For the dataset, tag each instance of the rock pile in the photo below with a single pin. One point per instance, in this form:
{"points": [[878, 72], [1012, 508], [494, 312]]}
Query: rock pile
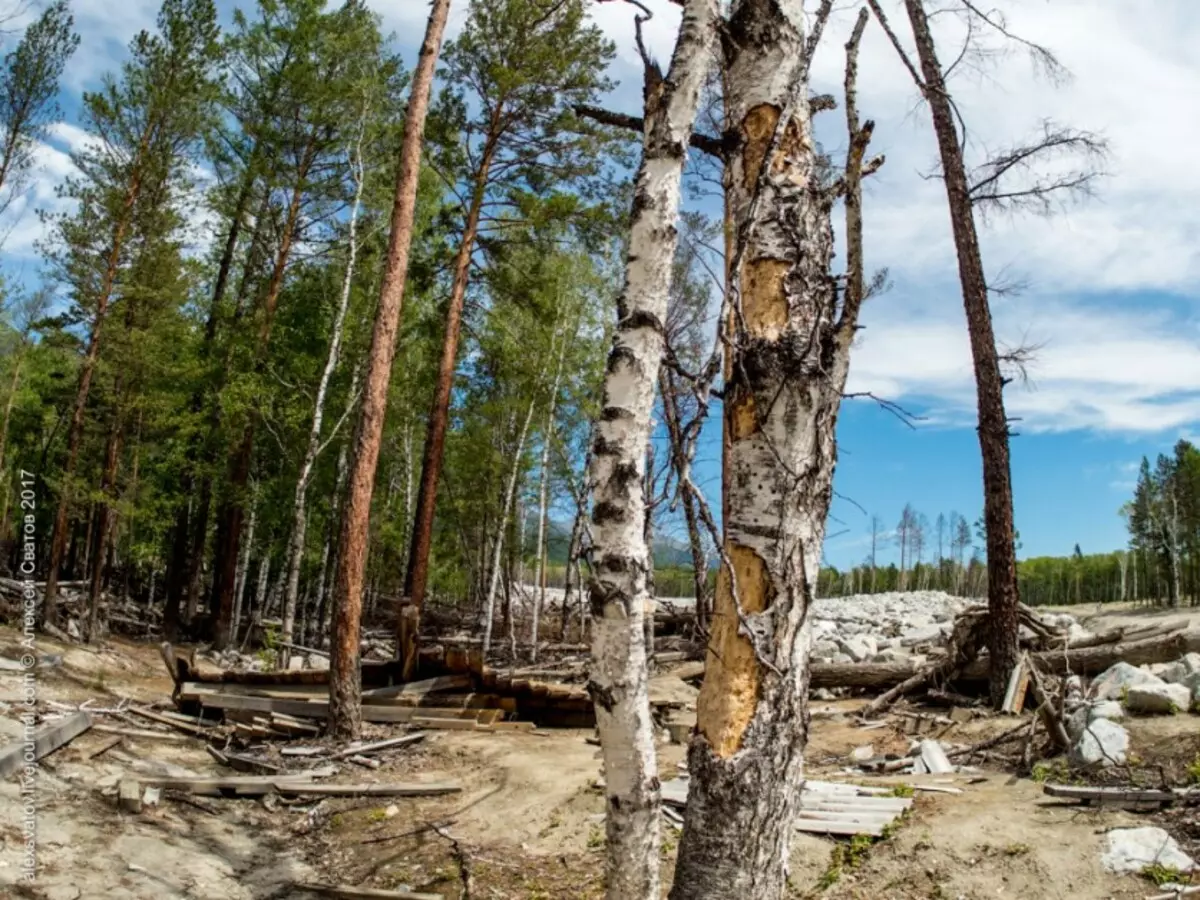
{"points": [[1156, 689], [896, 627]]}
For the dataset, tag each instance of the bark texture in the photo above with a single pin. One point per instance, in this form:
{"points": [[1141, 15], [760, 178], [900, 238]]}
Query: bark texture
{"points": [[1003, 596], [345, 690], [618, 681], [788, 363]]}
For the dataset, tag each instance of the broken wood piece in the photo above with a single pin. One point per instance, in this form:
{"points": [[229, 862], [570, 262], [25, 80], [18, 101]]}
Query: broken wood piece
{"points": [[174, 720], [1121, 797], [137, 733], [108, 745], [46, 740], [354, 893], [151, 796], [297, 783], [364, 761], [129, 795], [1018, 684], [242, 763], [389, 744]]}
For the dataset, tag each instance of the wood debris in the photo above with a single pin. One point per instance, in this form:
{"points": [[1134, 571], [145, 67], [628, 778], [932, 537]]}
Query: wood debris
{"points": [[46, 740]]}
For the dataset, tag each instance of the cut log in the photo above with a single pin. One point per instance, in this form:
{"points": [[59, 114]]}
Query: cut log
{"points": [[1018, 685], [46, 740]]}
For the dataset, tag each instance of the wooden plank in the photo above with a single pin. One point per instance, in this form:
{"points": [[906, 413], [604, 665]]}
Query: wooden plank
{"points": [[1018, 684], [391, 743], [46, 740], [820, 826], [441, 684], [513, 726], [445, 724], [1117, 796], [489, 716], [355, 893], [319, 709], [185, 726], [108, 745], [139, 734]]}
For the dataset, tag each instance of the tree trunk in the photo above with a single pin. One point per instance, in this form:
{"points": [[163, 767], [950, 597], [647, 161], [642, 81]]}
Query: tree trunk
{"points": [[683, 464], [225, 560], [345, 688], [299, 512], [618, 679], [509, 493], [108, 481], [58, 536], [244, 568], [543, 507], [1003, 598], [790, 349], [417, 573]]}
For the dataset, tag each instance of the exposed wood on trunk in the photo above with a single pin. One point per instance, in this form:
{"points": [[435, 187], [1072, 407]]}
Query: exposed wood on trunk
{"points": [[789, 345], [344, 718], [618, 589]]}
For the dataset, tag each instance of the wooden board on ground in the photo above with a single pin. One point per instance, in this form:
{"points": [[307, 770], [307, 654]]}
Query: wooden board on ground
{"points": [[344, 892], [46, 740]]}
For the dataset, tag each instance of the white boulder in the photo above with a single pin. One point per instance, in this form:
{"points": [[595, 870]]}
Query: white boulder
{"points": [[1176, 672], [1130, 851], [1090, 712], [1102, 743], [1158, 699], [1120, 678]]}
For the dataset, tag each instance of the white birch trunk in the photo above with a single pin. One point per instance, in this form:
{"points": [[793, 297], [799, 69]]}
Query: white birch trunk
{"points": [[299, 511], [489, 610], [618, 679], [789, 361], [543, 494], [243, 569]]}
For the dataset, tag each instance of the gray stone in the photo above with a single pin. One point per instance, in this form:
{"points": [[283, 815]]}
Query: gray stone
{"points": [[1090, 712], [1102, 743], [859, 647], [1192, 683], [891, 655], [1130, 851], [1176, 672], [1118, 679], [824, 648], [1158, 699], [862, 754], [318, 662]]}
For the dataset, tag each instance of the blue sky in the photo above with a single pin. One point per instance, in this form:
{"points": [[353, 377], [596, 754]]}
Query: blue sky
{"points": [[1111, 285]]}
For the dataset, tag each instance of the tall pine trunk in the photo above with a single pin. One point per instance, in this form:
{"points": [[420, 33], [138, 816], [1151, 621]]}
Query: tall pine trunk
{"points": [[618, 678], [1003, 597], [416, 576], [345, 685], [543, 500]]}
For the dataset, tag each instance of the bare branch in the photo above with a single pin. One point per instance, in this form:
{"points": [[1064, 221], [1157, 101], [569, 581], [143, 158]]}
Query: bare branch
{"points": [[908, 418], [900, 51], [702, 142], [1081, 152], [1042, 58], [1017, 360]]}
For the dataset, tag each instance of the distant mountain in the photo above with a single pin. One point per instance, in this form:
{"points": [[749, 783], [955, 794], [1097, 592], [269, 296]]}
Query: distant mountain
{"points": [[668, 551]]}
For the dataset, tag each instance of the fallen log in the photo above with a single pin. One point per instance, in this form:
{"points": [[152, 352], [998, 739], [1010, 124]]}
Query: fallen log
{"points": [[353, 893], [1076, 661]]}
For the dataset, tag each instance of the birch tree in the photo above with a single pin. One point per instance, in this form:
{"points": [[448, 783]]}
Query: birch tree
{"points": [[618, 589], [789, 333]]}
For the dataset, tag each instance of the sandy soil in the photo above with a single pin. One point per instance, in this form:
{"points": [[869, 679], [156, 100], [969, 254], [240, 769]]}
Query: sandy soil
{"points": [[528, 823]]}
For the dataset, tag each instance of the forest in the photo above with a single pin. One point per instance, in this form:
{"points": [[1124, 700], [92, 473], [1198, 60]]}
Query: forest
{"points": [[320, 339]]}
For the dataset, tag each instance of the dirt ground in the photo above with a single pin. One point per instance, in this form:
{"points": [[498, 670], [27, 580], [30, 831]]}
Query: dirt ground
{"points": [[527, 824]]}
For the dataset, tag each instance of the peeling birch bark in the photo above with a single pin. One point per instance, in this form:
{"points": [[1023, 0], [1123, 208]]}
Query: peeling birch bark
{"points": [[618, 679], [789, 351]]}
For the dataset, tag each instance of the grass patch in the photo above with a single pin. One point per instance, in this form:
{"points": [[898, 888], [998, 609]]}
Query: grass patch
{"points": [[1055, 770], [1193, 770], [1160, 874], [902, 790], [1017, 849], [845, 857]]}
